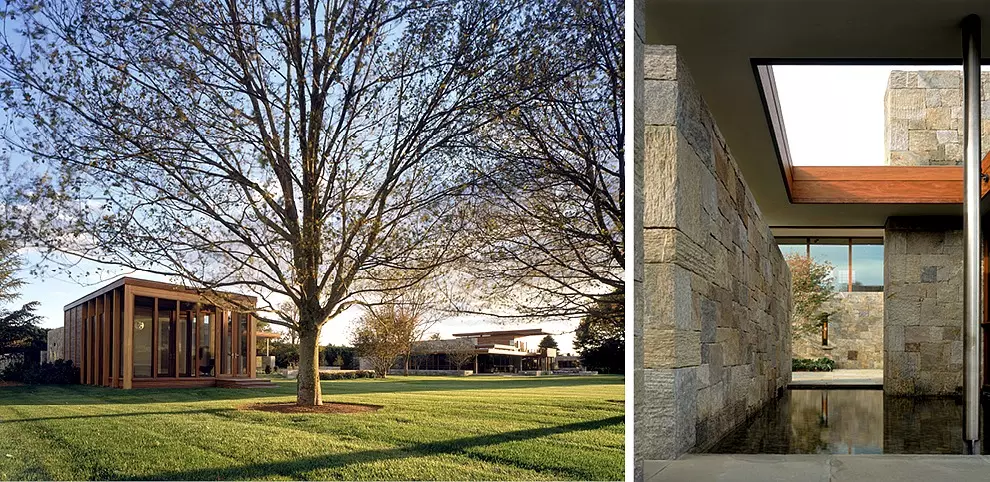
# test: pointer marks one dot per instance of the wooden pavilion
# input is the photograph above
(135, 333)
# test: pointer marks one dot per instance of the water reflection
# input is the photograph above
(849, 422)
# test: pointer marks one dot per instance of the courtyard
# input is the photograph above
(427, 428)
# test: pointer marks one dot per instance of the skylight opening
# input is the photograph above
(870, 115)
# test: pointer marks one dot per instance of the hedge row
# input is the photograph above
(347, 375)
(812, 365)
(61, 372)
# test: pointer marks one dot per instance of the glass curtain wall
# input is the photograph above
(857, 263)
(186, 339)
(144, 312)
(207, 341)
(166, 338)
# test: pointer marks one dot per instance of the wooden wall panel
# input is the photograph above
(107, 340)
(881, 184)
(877, 185)
(115, 335)
(252, 347)
(128, 337)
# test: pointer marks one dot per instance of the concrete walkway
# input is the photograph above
(837, 379)
(818, 468)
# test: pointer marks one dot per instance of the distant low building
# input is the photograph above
(501, 351)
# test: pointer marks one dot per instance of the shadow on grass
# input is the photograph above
(212, 411)
(400, 384)
(90, 395)
(297, 469)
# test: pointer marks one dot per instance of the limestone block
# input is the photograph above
(660, 168)
(925, 242)
(666, 245)
(906, 158)
(659, 62)
(660, 102)
(946, 136)
(954, 152)
(921, 140)
(939, 118)
(686, 402)
(939, 79)
(654, 418)
(897, 80)
(905, 104)
(897, 135)
(918, 334)
(709, 320)
(667, 297)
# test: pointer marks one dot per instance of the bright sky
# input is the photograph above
(834, 115)
(56, 290)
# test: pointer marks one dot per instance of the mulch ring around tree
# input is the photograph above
(327, 407)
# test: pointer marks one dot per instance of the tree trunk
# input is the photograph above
(308, 382)
(406, 368)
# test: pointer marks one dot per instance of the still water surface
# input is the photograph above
(849, 422)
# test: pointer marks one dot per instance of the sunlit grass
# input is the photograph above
(473, 428)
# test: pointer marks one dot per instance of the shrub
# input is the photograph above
(61, 372)
(812, 365)
(348, 375)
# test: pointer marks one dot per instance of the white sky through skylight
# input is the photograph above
(834, 114)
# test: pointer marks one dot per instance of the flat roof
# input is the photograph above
(518, 332)
(127, 280)
(720, 40)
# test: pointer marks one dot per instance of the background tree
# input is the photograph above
(459, 352)
(600, 337)
(341, 356)
(548, 342)
(552, 193)
(297, 150)
(19, 330)
(20, 333)
(382, 335)
(811, 289)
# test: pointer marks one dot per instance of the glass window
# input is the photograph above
(242, 337)
(226, 338)
(836, 253)
(185, 338)
(207, 341)
(166, 338)
(144, 309)
(798, 249)
(867, 267)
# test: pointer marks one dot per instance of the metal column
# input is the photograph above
(971, 228)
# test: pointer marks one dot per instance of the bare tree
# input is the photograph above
(553, 191)
(460, 353)
(300, 150)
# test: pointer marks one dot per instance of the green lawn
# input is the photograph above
(473, 428)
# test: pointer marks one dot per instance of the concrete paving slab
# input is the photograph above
(745, 468)
(819, 468)
(845, 378)
(653, 467)
(909, 468)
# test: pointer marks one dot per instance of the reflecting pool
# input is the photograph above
(849, 422)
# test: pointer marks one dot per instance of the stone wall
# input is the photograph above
(712, 289)
(923, 314)
(56, 350)
(923, 118)
(855, 332)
